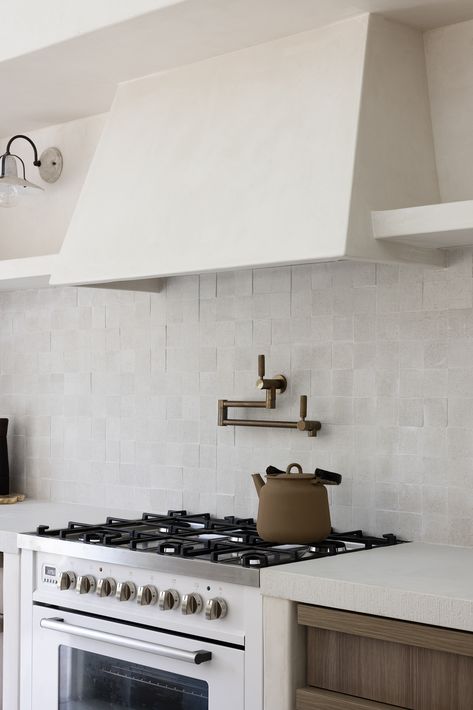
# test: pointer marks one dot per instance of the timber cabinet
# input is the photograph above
(361, 662)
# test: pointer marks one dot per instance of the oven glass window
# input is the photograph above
(88, 681)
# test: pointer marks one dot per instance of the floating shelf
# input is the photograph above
(439, 226)
(28, 272)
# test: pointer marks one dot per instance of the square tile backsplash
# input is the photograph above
(112, 395)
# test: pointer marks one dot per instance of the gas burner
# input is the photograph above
(328, 547)
(229, 541)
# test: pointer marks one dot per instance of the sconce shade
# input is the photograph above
(12, 187)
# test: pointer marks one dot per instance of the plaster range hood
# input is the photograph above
(275, 154)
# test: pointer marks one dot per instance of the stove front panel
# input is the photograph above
(214, 609)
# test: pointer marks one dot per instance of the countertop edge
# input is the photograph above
(418, 582)
(378, 601)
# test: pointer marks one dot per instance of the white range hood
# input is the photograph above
(274, 154)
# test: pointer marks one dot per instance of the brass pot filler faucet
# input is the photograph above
(277, 384)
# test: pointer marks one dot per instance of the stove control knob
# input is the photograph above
(191, 603)
(216, 608)
(126, 591)
(85, 584)
(66, 580)
(106, 587)
(147, 595)
(168, 599)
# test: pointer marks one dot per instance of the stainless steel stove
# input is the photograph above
(160, 611)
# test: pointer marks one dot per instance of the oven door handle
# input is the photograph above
(177, 654)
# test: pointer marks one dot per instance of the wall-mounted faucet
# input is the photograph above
(276, 384)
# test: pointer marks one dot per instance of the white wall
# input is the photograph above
(38, 227)
(113, 396)
(450, 75)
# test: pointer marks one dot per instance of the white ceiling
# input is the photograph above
(422, 14)
(78, 77)
(29, 25)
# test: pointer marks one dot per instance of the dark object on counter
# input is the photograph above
(4, 468)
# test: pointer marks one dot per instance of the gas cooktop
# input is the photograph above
(224, 541)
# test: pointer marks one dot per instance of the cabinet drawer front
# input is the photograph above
(383, 663)
(366, 668)
(403, 632)
(314, 699)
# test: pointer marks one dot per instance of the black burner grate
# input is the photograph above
(228, 540)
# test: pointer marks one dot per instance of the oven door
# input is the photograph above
(85, 663)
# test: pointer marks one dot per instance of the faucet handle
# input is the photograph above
(261, 366)
(303, 424)
(303, 406)
(276, 384)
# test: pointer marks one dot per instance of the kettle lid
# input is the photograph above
(298, 475)
(322, 476)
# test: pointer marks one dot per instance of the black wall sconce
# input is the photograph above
(13, 185)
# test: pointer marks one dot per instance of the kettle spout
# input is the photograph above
(258, 481)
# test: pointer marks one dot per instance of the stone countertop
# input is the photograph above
(26, 516)
(429, 584)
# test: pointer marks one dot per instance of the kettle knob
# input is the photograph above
(294, 465)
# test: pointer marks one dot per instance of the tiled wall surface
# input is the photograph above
(113, 395)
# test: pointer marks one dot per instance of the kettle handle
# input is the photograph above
(328, 478)
(294, 465)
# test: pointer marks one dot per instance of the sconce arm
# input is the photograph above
(36, 160)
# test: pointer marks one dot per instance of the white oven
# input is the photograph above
(83, 662)
(113, 629)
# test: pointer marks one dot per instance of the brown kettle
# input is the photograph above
(293, 507)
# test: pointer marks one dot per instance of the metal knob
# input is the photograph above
(106, 587)
(126, 591)
(191, 603)
(168, 599)
(147, 595)
(85, 584)
(216, 608)
(66, 580)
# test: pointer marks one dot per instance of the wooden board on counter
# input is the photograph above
(12, 498)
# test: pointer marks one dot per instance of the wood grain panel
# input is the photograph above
(367, 668)
(402, 632)
(442, 681)
(314, 699)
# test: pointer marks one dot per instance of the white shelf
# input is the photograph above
(439, 226)
(30, 272)
(35, 272)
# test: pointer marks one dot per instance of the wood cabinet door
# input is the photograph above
(366, 668)
(379, 660)
(442, 681)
